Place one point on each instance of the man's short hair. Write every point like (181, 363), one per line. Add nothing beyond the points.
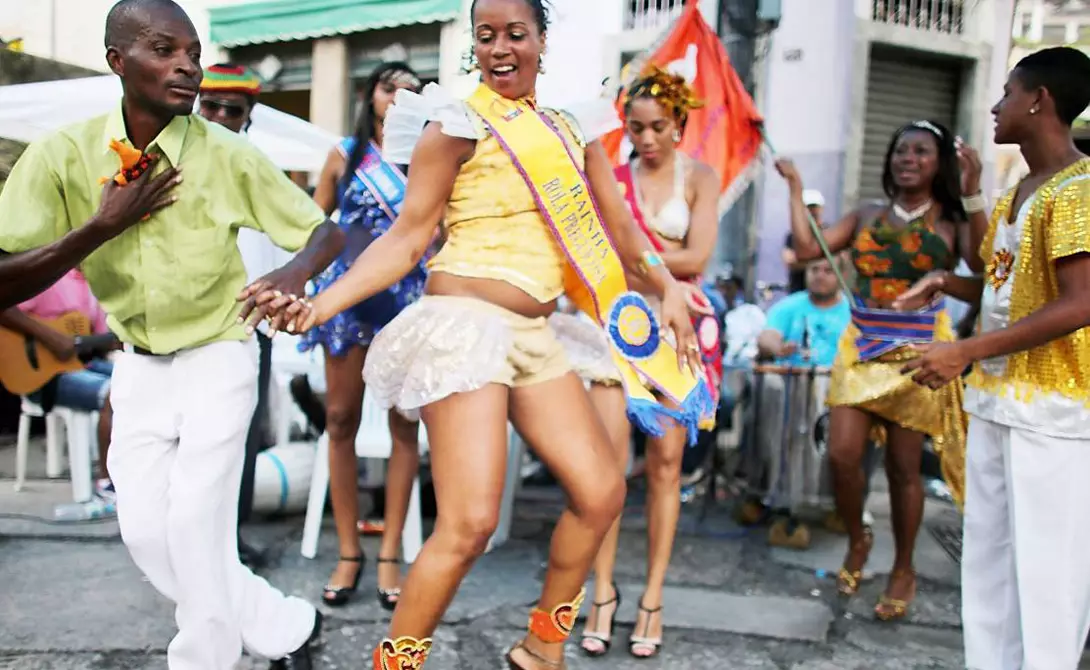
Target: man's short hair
(1062, 71)
(126, 17)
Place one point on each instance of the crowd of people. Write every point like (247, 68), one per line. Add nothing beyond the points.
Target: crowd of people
(480, 261)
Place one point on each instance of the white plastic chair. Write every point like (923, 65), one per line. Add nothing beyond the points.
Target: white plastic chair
(373, 441)
(79, 429)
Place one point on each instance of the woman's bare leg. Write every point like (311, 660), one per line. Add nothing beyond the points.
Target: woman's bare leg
(467, 439)
(400, 473)
(558, 420)
(344, 401)
(849, 430)
(610, 404)
(663, 509)
(903, 454)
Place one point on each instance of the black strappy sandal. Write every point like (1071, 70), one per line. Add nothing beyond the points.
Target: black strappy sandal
(338, 596)
(530, 652)
(606, 640)
(635, 641)
(388, 597)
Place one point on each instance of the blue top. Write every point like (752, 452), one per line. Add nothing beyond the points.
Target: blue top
(795, 316)
(362, 220)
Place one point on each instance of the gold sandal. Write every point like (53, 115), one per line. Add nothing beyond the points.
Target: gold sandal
(404, 653)
(893, 609)
(848, 581)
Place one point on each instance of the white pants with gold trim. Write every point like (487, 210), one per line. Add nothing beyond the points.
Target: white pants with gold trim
(1025, 566)
(176, 459)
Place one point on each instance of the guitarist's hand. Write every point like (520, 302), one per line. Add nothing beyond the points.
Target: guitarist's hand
(62, 346)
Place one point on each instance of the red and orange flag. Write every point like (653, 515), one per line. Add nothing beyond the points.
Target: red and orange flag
(726, 132)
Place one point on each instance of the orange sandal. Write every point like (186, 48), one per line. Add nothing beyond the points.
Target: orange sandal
(404, 653)
(553, 627)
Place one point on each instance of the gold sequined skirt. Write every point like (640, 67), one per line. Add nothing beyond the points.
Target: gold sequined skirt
(878, 388)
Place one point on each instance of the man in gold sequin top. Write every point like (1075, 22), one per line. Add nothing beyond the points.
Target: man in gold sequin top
(1026, 557)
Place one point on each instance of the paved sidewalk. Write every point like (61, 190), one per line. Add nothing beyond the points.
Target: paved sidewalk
(70, 598)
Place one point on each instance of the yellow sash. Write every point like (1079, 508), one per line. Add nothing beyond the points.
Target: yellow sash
(595, 278)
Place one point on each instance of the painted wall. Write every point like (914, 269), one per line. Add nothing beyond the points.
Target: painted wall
(805, 101)
(71, 31)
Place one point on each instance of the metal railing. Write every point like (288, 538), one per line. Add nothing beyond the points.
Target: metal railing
(655, 15)
(935, 16)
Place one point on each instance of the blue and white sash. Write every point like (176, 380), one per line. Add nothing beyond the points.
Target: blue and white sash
(383, 179)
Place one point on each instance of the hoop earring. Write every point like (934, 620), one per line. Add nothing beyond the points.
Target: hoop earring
(541, 60)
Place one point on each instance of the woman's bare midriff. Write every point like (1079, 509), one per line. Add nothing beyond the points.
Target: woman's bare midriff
(493, 291)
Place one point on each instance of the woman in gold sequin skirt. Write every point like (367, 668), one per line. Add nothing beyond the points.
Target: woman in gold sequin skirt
(922, 228)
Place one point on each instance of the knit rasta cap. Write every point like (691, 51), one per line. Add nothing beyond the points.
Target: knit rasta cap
(226, 78)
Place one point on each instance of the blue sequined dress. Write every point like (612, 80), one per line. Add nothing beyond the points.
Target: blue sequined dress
(362, 220)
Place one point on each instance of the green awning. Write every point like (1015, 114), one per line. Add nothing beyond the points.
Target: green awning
(284, 20)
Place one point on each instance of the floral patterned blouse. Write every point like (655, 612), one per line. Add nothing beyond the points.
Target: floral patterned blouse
(890, 258)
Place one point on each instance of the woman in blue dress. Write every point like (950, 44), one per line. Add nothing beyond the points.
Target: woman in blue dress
(366, 190)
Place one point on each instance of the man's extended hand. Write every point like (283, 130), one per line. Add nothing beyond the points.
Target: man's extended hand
(269, 296)
(939, 363)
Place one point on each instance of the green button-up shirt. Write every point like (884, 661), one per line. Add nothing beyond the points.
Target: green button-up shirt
(170, 282)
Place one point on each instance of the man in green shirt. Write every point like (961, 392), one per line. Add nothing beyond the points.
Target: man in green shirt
(183, 391)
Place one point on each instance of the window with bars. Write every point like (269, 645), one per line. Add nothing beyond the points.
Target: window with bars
(651, 14)
(938, 16)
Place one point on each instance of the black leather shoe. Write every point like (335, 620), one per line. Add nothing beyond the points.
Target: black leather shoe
(300, 658)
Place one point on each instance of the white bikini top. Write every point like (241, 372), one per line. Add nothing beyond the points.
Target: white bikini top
(672, 221)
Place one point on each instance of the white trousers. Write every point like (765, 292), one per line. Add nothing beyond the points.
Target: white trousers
(1025, 567)
(176, 460)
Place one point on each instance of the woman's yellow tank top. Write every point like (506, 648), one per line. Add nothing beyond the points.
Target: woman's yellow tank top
(494, 228)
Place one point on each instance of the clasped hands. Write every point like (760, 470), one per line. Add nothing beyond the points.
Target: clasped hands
(279, 299)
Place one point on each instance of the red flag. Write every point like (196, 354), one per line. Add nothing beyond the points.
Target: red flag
(726, 132)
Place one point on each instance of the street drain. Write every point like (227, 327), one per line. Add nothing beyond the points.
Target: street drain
(949, 538)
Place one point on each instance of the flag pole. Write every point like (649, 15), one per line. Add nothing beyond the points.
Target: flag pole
(816, 230)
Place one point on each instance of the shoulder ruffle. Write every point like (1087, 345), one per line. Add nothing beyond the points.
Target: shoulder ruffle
(592, 119)
(409, 114)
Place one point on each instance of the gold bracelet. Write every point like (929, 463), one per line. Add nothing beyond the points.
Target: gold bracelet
(650, 259)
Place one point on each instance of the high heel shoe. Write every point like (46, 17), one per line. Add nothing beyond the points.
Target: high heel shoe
(336, 596)
(404, 653)
(847, 581)
(654, 644)
(388, 598)
(893, 609)
(553, 627)
(606, 639)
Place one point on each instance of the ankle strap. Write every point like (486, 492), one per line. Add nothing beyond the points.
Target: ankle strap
(556, 626)
(404, 653)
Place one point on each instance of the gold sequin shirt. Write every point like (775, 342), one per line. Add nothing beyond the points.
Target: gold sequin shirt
(1045, 389)
(494, 228)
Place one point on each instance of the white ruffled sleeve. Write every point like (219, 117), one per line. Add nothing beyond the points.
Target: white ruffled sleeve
(593, 118)
(410, 112)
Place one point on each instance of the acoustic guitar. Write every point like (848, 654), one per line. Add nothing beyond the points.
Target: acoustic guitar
(26, 365)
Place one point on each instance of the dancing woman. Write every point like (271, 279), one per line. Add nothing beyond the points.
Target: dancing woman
(528, 199)
(673, 199)
(923, 227)
(368, 191)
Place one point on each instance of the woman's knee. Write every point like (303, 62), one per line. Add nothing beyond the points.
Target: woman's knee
(342, 421)
(599, 502)
(468, 532)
